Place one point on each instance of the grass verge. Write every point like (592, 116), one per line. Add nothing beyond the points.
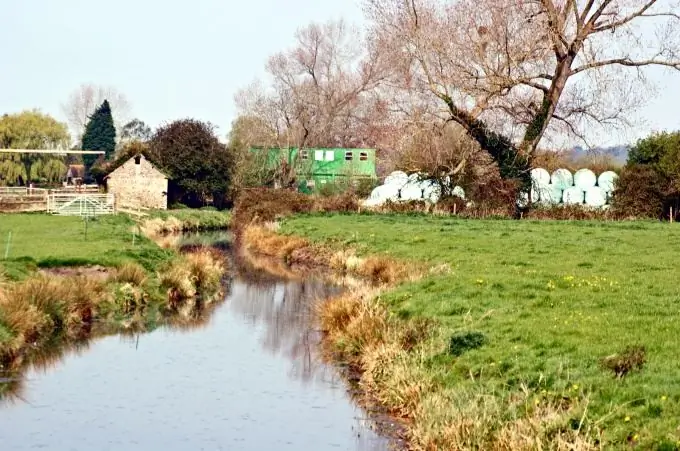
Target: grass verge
(513, 335)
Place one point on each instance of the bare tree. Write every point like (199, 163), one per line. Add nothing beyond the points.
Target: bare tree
(512, 73)
(86, 98)
(322, 91)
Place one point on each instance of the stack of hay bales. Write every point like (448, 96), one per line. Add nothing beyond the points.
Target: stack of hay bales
(562, 187)
(399, 186)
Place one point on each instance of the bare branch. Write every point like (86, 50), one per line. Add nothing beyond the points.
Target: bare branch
(626, 62)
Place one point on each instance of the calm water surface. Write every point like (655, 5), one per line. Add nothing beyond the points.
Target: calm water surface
(248, 380)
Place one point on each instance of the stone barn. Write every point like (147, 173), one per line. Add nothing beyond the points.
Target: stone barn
(137, 183)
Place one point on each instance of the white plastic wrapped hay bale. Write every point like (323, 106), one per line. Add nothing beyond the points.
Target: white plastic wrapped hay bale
(396, 178)
(431, 191)
(607, 180)
(414, 178)
(540, 176)
(595, 196)
(562, 178)
(584, 179)
(550, 195)
(411, 191)
(573, 196)
(383, 193)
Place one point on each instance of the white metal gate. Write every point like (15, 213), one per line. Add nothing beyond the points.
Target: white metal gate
(81, 204)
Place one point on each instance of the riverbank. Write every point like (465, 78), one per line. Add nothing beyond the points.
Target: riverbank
(164, 222)
(502, 334)
(66, 280)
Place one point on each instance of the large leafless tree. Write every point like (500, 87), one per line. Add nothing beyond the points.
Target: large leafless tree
(321, 91)
(517, 71)
(82, 102)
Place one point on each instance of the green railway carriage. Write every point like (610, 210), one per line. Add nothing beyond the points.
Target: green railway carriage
(316, 167)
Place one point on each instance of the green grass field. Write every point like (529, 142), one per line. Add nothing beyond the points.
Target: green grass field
(552, 299)
(40, 240)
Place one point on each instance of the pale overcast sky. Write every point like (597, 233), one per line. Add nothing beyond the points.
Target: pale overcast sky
(177, 58)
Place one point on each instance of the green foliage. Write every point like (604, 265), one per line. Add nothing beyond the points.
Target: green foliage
(100, 134)
(29, 130)
(553, 297)
(535, 127)
(641, 191)
(32, 130)
(511, 165)
(655, 148)
(649, 184)
(463, 342)
(198, 164)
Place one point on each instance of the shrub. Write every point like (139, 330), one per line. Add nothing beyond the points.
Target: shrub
(261, 205)
(466, 341)
(640, 191)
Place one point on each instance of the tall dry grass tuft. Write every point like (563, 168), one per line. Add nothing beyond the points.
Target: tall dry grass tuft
(42, 305)
(266, 242)
(384, 270)
(352, 322)
(207, 269)
(131, 273)
(197, 274)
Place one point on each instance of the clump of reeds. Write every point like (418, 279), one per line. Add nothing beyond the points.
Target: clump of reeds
(196, 274)
(383, 270)
(265, 242)
(130, 272)
(42, 305)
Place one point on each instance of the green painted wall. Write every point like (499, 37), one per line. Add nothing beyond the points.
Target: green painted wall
(324, 165)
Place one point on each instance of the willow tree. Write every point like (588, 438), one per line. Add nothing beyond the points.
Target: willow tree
(29, 130)
(513, 73)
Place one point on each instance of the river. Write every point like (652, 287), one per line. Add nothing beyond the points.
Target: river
(247, 379)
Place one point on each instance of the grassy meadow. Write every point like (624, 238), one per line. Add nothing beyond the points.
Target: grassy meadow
(544, 312)
(40, 240)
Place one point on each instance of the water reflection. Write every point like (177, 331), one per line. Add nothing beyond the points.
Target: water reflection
(226, 379)
(284, 309)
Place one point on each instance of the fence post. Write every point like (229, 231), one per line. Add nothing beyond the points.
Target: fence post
(9, 240)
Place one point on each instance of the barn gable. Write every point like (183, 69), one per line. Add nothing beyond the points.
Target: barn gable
(138, 183)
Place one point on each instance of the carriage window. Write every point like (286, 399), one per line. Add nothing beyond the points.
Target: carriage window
(348, 156)
(363, 156)
(304, 154)
(330, 155)
(318, 155)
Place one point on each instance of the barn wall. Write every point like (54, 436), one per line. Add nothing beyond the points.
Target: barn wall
(138, 185)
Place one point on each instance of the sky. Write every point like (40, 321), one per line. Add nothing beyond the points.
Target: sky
(176, 58)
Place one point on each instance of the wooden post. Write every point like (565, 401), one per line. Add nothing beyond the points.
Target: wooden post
(9, 240)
